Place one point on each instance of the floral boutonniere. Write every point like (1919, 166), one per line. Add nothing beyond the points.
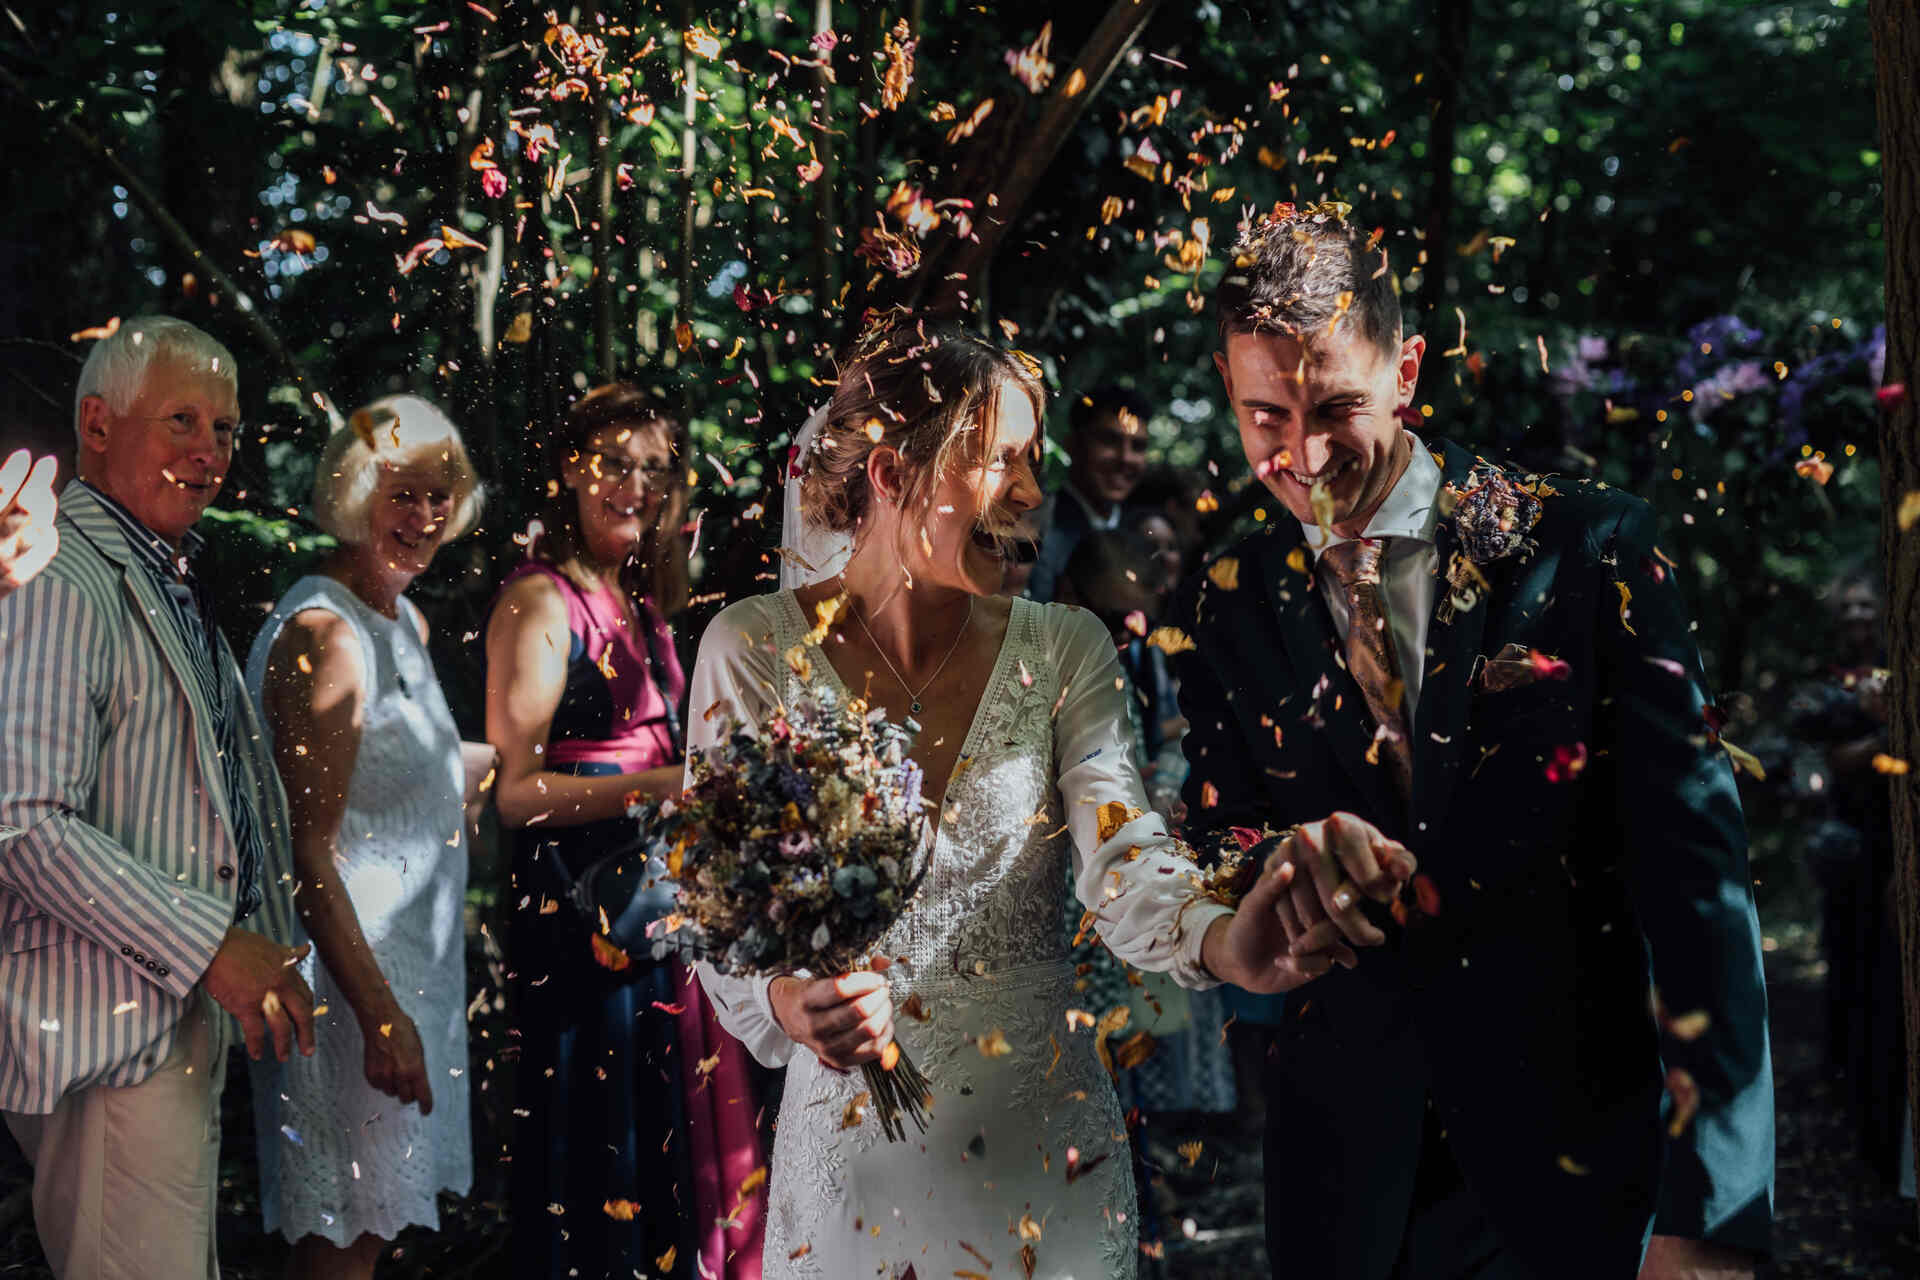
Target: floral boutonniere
(1492, 516)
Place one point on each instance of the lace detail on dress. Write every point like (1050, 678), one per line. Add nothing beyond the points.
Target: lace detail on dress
(993, 876)
(1014, 1088)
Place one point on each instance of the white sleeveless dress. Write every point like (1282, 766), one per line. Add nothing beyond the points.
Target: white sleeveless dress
(1049, 744)
(337, 1157)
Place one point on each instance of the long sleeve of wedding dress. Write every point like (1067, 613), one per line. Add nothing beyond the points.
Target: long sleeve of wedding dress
(736, 679)
(1138, 882)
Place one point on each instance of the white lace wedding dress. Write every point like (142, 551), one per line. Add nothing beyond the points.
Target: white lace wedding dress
(1026, 1146)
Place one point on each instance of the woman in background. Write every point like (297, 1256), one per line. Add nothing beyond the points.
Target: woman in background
(634, 1125)
(375, 790)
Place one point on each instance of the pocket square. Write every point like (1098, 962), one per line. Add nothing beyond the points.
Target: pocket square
(1516, 666)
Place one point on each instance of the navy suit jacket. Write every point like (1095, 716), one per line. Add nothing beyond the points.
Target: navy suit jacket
(1064, 531)
(1522, 1007)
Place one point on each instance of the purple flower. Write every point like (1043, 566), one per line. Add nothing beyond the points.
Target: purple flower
(1721, 336)
(1726, 383)
(1876, 353)
(912, 779)
(1575, 372)
(795, 845)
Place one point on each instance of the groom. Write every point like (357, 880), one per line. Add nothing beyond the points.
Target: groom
(1495, 670)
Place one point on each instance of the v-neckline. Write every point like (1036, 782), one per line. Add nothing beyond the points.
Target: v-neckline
(968, 747)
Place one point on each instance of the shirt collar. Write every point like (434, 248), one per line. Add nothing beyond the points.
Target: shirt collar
(1094, 518)
(148, 545)
(1408, 511)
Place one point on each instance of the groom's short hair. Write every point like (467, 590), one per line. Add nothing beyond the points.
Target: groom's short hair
(1308, 273)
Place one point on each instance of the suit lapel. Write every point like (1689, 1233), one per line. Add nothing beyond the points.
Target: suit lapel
(1331, 697)
(1440, 720)
(90, 519)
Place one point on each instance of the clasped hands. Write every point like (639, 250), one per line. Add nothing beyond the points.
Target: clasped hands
(1301, 918)
(1304, 915)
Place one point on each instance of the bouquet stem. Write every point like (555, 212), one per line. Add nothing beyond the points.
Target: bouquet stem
(898, 1089)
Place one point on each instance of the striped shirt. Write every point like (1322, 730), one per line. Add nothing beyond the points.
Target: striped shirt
(219, 680)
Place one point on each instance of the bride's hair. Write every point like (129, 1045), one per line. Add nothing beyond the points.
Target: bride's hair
(922, 388)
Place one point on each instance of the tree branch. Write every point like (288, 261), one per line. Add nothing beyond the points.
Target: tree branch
(169, 227)
(826, 220)
(951, 268)
(689, 142)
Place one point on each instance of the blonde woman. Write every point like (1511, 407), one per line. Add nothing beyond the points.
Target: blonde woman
(357, 1141)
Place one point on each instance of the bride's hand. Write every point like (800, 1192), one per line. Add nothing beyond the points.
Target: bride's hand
(845, 1021)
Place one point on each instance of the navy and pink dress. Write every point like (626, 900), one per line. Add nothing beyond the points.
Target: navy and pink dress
(609, 1103)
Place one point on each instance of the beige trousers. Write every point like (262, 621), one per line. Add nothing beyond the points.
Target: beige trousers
(125, 1181)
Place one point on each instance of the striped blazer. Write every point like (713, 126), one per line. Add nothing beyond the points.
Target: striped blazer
(118, 869)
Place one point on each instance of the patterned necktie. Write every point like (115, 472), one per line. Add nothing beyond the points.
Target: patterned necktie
(1355, 566)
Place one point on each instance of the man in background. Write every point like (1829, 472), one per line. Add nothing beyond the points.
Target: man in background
(1107, 447)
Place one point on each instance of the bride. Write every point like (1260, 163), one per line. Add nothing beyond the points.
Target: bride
(924, 461)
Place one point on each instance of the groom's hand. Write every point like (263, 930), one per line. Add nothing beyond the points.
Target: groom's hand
(1334, 863)
(1257, 950)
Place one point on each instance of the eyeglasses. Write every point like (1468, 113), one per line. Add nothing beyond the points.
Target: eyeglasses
(614, 468)
(188, 423)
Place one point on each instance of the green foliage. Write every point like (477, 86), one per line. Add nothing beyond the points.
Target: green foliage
(1624, 169)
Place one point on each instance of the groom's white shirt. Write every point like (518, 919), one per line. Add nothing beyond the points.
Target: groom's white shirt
(1408, 572)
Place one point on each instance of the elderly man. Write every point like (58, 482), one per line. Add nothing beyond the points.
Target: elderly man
(27, 509)
(143, 847)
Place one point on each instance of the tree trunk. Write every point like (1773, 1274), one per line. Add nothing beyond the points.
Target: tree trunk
(604, 161)
(689, 141)
(470, 329)
(1450, 22)
(1896, 42)
(826, 217)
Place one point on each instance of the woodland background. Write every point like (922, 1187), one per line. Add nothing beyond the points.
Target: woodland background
(1646, 239)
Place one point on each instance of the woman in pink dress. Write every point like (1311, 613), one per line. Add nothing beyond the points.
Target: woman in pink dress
(634, 1116)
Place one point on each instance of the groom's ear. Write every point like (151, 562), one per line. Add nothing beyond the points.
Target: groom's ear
(1408, 374)
(1226, 373)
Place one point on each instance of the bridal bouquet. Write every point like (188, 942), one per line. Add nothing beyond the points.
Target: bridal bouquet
(795, 848)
